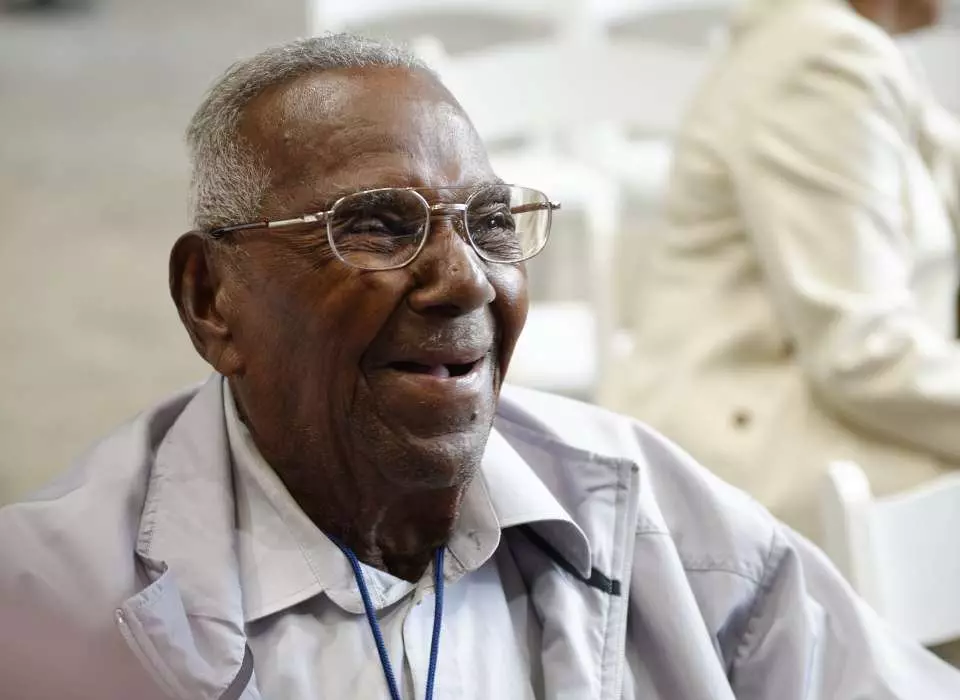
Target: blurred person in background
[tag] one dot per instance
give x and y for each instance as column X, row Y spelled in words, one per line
column 799, row 305
column 353, row 506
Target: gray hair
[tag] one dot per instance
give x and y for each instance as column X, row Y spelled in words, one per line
column 229, row 179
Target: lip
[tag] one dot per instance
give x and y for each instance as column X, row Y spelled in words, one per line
column 456, row 362
column 439, row 366
column 438, row 386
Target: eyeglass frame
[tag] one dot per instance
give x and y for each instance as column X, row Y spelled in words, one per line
column 448, row 209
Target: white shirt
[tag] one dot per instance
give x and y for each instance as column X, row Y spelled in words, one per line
column 304, row 615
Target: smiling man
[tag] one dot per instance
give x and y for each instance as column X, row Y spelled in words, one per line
column 354, row 505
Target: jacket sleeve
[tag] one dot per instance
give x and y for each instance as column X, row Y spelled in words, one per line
column 941, row 135
column 821, row 178
column 809, row 636
column 939, row 138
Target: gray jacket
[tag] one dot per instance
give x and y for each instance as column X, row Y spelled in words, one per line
column 120, row 580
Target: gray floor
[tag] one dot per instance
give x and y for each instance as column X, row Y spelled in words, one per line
column 92, row 192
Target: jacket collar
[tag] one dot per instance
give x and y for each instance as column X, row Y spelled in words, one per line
column 187, row 626
column 285, row 559
column 583, row 613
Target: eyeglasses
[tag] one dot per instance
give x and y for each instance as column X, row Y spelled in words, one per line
column 385, row 229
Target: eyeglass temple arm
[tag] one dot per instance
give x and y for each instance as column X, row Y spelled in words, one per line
column 535, row 206
column 306, row 219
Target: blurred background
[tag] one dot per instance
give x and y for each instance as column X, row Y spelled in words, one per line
column 94, row 97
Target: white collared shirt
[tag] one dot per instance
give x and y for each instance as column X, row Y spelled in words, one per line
column 304, row 615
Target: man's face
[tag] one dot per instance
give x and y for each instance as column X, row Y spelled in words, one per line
column 398, row 369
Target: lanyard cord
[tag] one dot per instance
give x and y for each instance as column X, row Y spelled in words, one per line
column 375, row 625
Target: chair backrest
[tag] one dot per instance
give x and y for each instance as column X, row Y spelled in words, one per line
column 901, row 552
column 561, row 93
column 566, row 86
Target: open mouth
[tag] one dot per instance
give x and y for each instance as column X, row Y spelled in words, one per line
column 441, row 371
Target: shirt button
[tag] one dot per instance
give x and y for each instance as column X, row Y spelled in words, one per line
column 742, row 418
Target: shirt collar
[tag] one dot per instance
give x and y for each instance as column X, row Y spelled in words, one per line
column 285, row 559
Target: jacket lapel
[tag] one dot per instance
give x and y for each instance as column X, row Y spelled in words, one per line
column 187, row 626
column 583, row 610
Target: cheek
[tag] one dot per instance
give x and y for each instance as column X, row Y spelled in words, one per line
column 510, row 306
column 316, row 322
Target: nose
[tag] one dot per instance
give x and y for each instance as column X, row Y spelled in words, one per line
column 451, row 278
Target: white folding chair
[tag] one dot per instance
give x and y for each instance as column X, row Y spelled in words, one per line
column 562, row 348
column 563, row 86
column 551, row 91
column 693, row 28
column 899, row 552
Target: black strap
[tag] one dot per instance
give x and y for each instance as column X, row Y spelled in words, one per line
column 239, row 684
column 597, row 580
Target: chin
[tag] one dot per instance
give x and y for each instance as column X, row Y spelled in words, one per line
column 440, row 462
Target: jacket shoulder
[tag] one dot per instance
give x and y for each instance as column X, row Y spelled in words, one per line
column 711, row 524
column 568, row 423
column 826, row 36
column 714, row 526
column 815, row 26
column 63, row 528
column 111, row 456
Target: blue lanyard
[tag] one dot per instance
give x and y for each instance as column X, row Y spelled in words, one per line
column 375, row 625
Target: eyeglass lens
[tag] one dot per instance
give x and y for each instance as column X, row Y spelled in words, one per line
column 385, row 228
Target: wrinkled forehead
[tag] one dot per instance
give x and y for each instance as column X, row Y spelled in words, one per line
column 375, row 126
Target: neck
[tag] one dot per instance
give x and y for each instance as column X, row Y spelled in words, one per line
column 397, row 532
column 401, row 537
column 388, row 526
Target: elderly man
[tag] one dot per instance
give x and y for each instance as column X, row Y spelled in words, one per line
column 350, row 507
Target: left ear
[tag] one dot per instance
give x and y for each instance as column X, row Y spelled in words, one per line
column 196, row 291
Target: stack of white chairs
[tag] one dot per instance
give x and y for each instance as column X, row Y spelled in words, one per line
column 552, row 93
column 560, row 91
column 899, row 552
